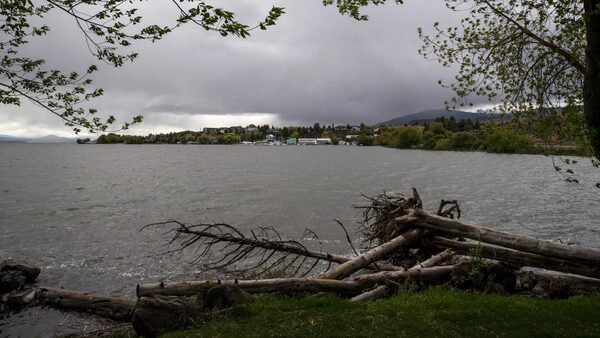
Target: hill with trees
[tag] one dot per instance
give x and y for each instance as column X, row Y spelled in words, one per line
column 428, row 116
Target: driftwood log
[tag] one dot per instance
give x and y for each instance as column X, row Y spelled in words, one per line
column 517, row 257
column 552, row 285
column 383, row 289
column 346, row 269
column 457, row 228
column 284, row 285
column 116, row 308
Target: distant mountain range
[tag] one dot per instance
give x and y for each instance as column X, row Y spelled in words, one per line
column 428, row 116
column 43, row 139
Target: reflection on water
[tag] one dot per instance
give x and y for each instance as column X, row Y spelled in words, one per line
column 75, row 210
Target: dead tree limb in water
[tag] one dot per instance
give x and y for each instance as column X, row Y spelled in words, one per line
column 116, row 308
column 517, row 242
column 516, row 257
column 263, row 245
column 383, row 289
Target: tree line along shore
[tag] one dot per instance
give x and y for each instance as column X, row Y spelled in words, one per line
column 495, row 136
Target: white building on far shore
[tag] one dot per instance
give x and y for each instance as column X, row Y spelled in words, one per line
column 306, row 141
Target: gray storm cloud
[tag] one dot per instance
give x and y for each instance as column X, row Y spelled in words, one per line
column 313, row 66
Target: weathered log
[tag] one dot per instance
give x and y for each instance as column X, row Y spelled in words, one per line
column 422, row 274
column 547, row 285
column 292, row 284
column 522, row 243
column 382, row 289
column 517, row 257
column 365, row 259
column 116, row 308
column 191, row 288
column 20, row 298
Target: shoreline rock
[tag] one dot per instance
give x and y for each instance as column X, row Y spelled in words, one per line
column 29, row 271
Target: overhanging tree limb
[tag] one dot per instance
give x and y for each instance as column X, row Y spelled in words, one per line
column 577, row 64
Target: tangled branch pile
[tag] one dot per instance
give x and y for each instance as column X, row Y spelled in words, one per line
column 399, row 240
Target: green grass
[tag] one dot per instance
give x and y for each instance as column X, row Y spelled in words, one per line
column 432, row 313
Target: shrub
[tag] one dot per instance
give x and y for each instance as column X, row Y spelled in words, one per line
column 230, row 138
column 204, row 139
column 406, row 137
column 435, row 132
column 443, row 144
column 464, row 140
column 365, row 140
column 502, row 140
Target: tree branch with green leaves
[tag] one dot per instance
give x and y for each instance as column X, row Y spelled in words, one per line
column 110, row 28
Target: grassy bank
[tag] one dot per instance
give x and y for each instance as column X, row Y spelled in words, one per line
column 432, row 313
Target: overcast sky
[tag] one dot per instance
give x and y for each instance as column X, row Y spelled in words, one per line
column 313, row 66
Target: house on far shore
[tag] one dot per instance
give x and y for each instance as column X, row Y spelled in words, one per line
column 270, row 137
column 252, row 129
column 236, row 129
column 324, row 140
column 210, row 131
column 306, row 141
column 291, row 141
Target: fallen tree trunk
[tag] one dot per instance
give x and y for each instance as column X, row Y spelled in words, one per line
column 191, row 288
column 517, row 242
column 365, row 259
column 516, row 257
column 547, row 285
column 116, row 308
column 424, row 274
column 382, row 289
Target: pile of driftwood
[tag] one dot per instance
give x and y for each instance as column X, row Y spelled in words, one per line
column 401, row 241
column 400, row 244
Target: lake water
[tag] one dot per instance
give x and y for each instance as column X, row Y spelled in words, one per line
column 75, row 210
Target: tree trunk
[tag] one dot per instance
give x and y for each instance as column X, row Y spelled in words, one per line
column 548, row 285
column 423, row 274
column 191, row 288
column 110, row 307
column 365, row 259
column 517, row 257
column 294, row 284
column 591, row 84
column 382, row 289
column 517, row 242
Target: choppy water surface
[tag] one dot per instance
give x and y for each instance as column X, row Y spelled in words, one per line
column 76, row 210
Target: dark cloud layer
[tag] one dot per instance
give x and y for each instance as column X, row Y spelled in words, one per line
column 314, row 66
